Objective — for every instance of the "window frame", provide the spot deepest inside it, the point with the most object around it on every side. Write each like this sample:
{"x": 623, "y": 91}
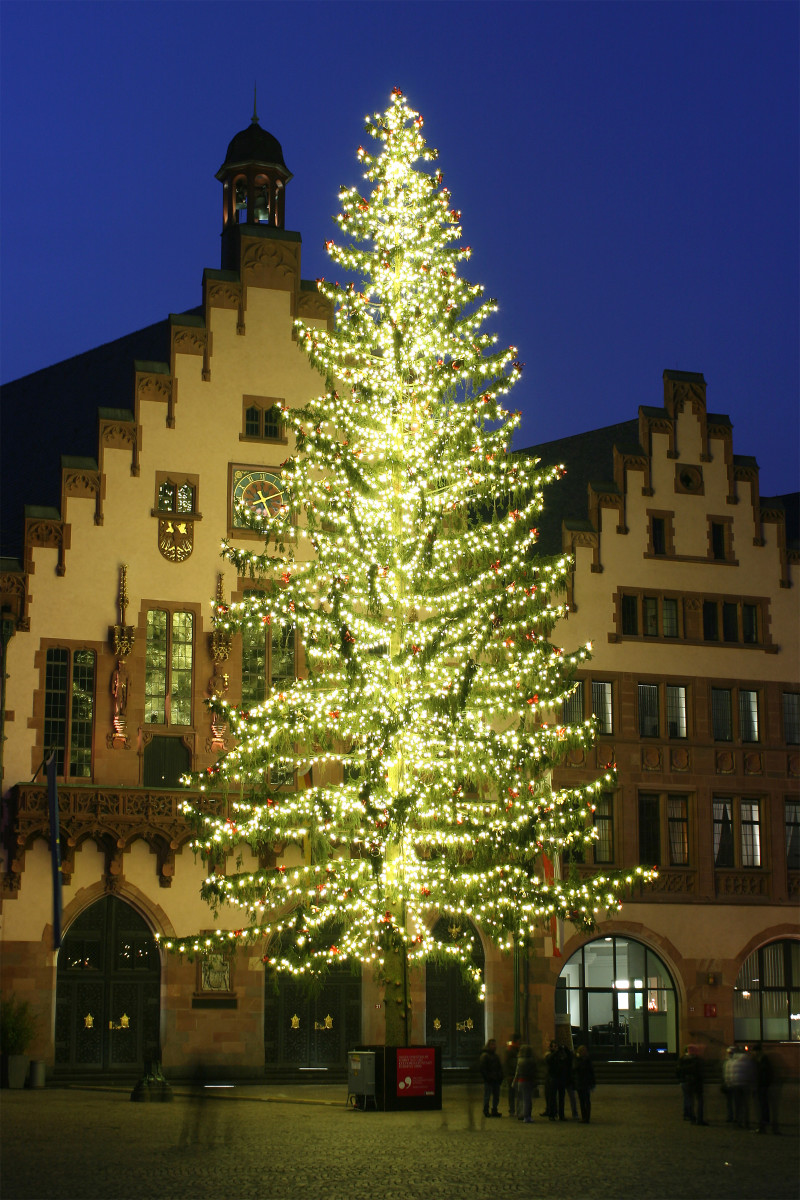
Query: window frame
{"x": 740, "y": 822}
{"x": 177, "y": 480}
{"x": 171, "y": 692}
{"x": 791, "y": 721}
{"x": 72, "y": 737}
{"x": 757, "y": 970}
{"x": 658, "y": 843}
{"x": 264, "y": 405}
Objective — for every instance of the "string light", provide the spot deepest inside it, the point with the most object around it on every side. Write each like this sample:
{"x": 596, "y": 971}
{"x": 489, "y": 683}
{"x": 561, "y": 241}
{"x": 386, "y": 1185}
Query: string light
{"x": 423, "y": 733}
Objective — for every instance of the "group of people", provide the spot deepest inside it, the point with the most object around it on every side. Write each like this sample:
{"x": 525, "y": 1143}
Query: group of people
{"x": 566, "y": 1075}
{"x": 748, "y": 1075}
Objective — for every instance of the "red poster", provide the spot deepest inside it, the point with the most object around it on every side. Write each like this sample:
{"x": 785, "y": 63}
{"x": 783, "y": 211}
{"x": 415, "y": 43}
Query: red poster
{"x": 416, "y": 1071}
{"x": 709, "y": 1010}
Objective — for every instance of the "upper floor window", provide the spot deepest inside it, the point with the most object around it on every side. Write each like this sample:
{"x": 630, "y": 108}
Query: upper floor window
{"x": 661, "y": 534}
{"x": 572, "y": 709}
{"x": 604, "y": 827}
{"x": 737, "y": 832}
{"x": 176, "y": 497}
{"x": 730, "y": 621}
{"x": 168, "y": 668}
{"x": 602, "y": 705}
{"x": 793, "y": 835}
{"x": 722, "y": 710}
{"x": 720, "y": 539}
{"x": 676, "y": 711}
{"x": 69, "y": 709}
{"x": 791, "y": 718}
{"x": 263, "y": 419}
{"x": 663, "y": 829}
{"x": 652, "y": 616}
{"x": 268, "y": 659}
{"x": 648, "y": 710}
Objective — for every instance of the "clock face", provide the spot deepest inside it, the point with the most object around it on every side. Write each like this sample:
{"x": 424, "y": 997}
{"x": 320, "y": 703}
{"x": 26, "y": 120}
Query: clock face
{"x": 258, "y": 490}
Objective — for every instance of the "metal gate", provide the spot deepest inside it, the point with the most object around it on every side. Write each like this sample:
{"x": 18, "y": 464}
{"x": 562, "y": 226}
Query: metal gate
{"x": 107, "y": 992}
{"x": 303, "y": 1029}
{"x": 455, "y": 1017}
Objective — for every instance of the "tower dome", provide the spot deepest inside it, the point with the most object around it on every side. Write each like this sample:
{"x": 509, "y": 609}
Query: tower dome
{"x": 253, "y": 177}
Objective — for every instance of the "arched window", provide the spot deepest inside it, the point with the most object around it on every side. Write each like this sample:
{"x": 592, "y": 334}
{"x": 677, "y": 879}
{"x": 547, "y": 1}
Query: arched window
{"x": 620, "y": 999}
{"x": 766, "y": 996}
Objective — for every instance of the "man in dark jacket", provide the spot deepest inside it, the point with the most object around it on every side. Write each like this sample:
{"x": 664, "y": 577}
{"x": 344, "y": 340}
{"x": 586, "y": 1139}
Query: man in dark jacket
{"x": 690, "y": 1075}
{"x": 492, "y": 1074}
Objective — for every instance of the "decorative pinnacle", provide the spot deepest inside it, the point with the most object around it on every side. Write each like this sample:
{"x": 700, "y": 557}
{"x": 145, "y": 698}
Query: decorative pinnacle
{"x": 220, "y": 590}
{"x": 123, "y": 592}
{"x": 254, "y": 118}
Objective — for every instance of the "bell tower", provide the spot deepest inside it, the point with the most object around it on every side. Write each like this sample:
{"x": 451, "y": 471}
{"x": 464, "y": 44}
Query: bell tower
{"x": 254, "y": 178}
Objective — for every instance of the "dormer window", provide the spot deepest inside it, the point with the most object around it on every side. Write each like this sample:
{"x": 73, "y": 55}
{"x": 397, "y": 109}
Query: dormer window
{"x": 263, "y": 419}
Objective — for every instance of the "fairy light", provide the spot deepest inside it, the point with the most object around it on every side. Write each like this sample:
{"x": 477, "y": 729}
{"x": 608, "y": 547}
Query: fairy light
{"x": 424, "y": 732}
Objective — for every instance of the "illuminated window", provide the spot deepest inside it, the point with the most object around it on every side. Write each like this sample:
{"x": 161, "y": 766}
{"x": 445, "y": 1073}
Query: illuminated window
{"x": 263, "y": 419}
{"x": 736, "y": 832}
{"x": 168, "y": 668}
{"x": 766, "y": 996}
{"x": 69, "y": 710}
{"x": 676, "y": 710}
{"x": 602, "y": 706}
{"x": 572, "y": 711}
{"x": 663, "y": 829}
{"x": 604, "y": 827}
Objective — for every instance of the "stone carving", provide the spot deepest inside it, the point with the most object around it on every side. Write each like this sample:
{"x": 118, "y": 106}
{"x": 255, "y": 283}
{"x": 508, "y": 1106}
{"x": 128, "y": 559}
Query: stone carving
{"x": 725, "y": 762}
{"x": 752, "y": 763}
{"x": 741, "y": 883}
{"x": 175, "y": 538}
{"x": 651, "y": 758}
{"x": 680, "y": 758}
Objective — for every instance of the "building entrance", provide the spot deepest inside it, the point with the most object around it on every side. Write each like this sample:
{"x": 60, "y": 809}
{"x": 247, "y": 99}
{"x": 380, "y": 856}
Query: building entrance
{"x": 454, "y": 1017}
{"x": 107, "y": 992}
{"x": 312, "y": 1030}
{"x": 620, "y": 999}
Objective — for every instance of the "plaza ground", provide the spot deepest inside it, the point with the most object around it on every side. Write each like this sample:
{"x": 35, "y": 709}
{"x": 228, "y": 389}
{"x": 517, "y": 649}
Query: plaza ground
{"x": 270, "y": 1141}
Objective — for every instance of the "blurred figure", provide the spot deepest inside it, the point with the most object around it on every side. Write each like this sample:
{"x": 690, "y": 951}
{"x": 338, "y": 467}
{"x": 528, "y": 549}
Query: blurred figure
{"x": 199, "y": 1121}
{"x": 584, "y": 1082}
{"x": 768, "y": 1083}
{"x": 512, "y": 1054}
{"x": 690, "y": 1076}
{"x": 729, "y": 1083}
{"x": 526, "y": 1079}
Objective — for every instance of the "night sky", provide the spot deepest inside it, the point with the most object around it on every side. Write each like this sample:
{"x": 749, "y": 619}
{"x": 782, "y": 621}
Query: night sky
{"x": 627, "y": 175}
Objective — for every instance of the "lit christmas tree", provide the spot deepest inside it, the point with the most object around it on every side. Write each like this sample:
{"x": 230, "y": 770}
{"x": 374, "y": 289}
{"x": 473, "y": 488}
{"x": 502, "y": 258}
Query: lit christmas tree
{"x": 420, "y": 741}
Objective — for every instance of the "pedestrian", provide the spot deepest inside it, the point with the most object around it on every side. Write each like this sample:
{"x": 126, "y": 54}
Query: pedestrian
{"x": 729, "y": 1083}
{"x": 550, "y": 1085}
{"x": 492, "y": 1073}
{"x": 690, "y": 1075}
{"x": 563, "y": 1078}
{"x": 584, "y": 1082}
{"x": 526, "y": 1080}
{"x": 512, "y": 1053}
{"x": 745, "y": 1079}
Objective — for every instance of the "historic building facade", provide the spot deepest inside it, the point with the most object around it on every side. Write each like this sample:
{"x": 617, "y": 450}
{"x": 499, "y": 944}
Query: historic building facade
{"x": 684, "y": 581}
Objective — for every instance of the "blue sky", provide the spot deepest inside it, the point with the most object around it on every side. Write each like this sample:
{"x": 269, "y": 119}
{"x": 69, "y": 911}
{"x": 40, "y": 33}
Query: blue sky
{"x": 627, "y": 175}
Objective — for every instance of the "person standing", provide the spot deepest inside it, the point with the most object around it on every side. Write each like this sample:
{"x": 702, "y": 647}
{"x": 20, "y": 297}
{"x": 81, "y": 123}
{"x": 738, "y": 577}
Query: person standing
{"x": 492, "y": 1073}
{"x": 584, "y": 1082}
{"x": 550, "y": 1084}
{"x": 690, "y": 1075}
{"x": 512, "y": 1054}
{"x": 525, "y": 1080}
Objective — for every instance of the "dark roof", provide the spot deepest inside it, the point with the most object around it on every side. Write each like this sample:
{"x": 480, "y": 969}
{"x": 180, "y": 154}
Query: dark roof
{"x": 587, "y": 457}
{"x": 54, "y": 412}
{"x": 253, "y": 145}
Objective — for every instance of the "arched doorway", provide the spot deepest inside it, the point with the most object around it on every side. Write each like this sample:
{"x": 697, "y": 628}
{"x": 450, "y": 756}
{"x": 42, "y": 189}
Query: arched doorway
{"x": 107, "y": 992}
{"x": 312, "y": 1030}
{"x": 454, "y": 1015}
{"x": 621, "y": 1000}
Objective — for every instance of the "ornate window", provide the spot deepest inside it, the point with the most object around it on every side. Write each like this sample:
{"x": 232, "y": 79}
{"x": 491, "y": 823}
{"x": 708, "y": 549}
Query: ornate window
{"x": 766, "y": 995}
{"x": 168, "y": 668}
{"x": 69, "y": 709}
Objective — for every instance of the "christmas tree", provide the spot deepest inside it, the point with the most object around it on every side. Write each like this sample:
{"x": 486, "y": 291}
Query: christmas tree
{"x": 418, "y": 746}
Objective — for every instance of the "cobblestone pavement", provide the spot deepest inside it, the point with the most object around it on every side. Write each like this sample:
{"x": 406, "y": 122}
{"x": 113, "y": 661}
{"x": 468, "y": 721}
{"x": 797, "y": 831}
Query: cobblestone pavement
{"x": 266, "y": 1142}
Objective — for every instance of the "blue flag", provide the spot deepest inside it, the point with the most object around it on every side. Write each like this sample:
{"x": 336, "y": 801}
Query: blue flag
{"x": 55, "y": 847}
